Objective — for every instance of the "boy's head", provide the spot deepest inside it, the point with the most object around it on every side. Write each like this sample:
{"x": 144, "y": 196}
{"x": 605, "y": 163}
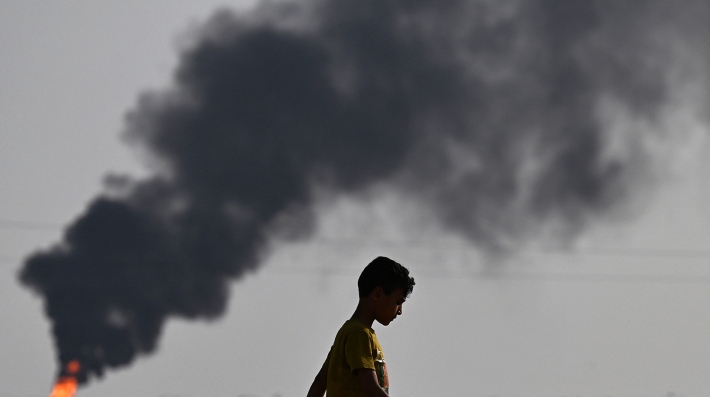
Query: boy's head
{"x": 386, "y": 273}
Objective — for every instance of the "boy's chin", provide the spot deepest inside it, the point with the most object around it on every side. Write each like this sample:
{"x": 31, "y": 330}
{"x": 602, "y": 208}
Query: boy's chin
{"x": 385, "y": 322}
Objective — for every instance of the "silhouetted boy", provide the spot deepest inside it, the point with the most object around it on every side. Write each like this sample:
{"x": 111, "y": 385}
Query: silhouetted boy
{"x": 355, "y": 366}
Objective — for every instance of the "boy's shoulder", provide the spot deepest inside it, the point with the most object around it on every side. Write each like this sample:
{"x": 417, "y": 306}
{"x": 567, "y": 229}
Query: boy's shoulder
{"x": 354, "y": 330}
{"x": 355, "y": 326}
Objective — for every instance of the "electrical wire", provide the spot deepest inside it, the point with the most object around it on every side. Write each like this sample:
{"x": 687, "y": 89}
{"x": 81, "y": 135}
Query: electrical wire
{"x": 434, "y": 246}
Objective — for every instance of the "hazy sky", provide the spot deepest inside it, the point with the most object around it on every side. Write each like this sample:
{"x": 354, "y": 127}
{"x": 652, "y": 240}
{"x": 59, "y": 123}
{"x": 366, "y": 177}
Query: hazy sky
{"x": 625, "y": 313}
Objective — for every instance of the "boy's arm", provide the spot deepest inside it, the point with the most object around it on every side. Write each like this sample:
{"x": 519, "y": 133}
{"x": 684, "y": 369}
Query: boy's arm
{"x": 319, "y": 383}
{"x": 368, "y": 378}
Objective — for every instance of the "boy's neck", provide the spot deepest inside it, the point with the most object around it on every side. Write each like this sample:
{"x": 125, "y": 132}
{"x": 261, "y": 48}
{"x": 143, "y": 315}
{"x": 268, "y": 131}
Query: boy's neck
{"x": 364, "y": 314}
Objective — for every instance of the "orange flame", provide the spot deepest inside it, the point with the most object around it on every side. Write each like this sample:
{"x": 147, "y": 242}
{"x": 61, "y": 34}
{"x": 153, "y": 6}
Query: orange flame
{"x": 66, "y": 385}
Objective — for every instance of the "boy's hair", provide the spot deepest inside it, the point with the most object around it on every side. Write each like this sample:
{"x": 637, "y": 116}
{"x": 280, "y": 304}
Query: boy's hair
{"x": 386, "y": 273}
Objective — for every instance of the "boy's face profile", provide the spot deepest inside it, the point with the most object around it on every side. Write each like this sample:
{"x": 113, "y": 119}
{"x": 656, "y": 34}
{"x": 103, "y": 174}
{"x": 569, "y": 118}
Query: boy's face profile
{"x": 387, "y": 307}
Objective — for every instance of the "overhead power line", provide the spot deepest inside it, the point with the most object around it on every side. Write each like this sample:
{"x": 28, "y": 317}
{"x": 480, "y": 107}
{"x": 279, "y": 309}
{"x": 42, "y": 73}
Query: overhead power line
{"x": 429, "y": 244}
{"x": 516, "y": 276}
{"x": 492, "y": 275}
{"x": 443, "y": 245}
{"x": 544, "y": 251}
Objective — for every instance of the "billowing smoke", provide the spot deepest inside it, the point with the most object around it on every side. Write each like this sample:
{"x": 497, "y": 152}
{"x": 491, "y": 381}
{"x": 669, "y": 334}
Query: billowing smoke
{"x": 489, "y": 111}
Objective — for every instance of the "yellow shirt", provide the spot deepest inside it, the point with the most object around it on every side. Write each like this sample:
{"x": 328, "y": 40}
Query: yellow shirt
{"x": 355, "y": 347}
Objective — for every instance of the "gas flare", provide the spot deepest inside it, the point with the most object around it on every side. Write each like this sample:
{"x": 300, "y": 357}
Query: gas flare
{"x": 66, "y": 384}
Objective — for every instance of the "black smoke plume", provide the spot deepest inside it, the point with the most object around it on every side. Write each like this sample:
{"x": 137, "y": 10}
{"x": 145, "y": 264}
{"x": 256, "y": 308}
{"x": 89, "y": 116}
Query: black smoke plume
{"x": 486, "y": 110}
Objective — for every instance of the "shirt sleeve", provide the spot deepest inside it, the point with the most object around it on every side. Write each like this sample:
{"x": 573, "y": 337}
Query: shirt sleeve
{"x": 358, "y": 350}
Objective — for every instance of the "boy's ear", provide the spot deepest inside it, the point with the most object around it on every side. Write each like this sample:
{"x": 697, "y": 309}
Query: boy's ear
{"x": 377, "y": 293}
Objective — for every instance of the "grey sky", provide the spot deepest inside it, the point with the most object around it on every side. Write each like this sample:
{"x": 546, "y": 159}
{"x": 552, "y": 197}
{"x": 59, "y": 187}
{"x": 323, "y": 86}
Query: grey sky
{"x": 69, "y": 73}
